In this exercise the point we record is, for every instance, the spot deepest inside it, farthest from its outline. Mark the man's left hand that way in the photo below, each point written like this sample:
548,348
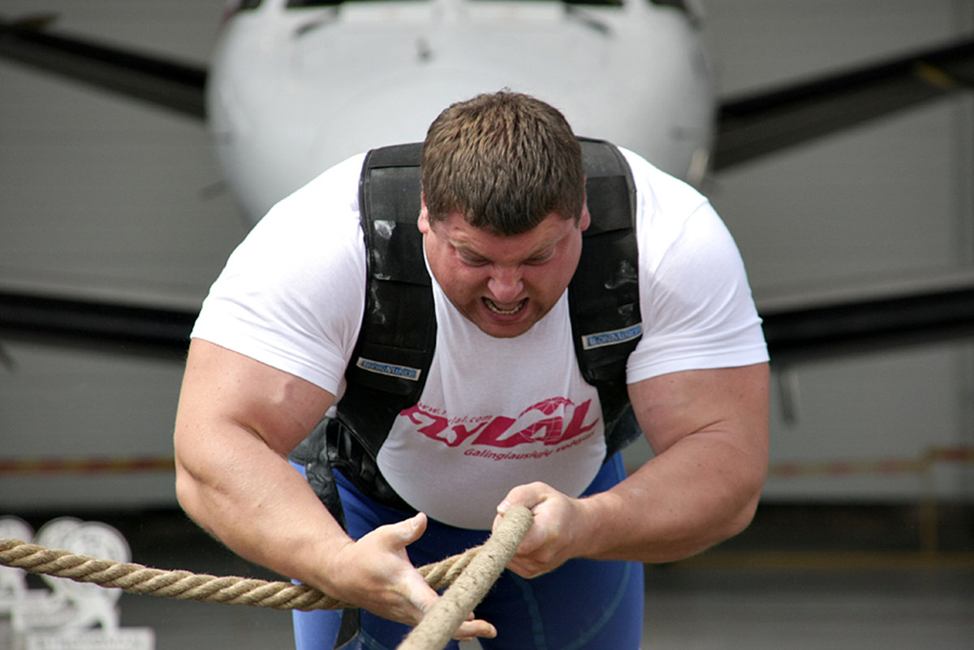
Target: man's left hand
555,534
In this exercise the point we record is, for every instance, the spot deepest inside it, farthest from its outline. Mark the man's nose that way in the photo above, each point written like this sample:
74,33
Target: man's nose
505,284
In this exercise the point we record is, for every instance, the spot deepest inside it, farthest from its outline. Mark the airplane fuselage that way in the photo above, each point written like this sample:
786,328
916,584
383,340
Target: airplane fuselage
294,90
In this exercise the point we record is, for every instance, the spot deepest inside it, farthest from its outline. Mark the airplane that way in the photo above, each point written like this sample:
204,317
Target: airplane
335,78
295,86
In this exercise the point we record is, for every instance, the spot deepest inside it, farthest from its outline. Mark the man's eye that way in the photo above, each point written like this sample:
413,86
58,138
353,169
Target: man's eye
472,260
540,259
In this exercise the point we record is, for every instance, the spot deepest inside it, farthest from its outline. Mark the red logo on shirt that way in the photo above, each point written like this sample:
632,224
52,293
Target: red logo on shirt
552,421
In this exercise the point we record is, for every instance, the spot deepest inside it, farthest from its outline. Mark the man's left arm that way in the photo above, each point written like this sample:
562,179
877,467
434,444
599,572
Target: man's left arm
709,432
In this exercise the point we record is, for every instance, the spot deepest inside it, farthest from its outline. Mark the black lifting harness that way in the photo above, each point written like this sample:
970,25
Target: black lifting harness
395,346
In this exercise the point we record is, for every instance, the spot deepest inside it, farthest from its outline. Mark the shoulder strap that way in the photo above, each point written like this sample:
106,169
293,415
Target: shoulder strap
395,345
604,292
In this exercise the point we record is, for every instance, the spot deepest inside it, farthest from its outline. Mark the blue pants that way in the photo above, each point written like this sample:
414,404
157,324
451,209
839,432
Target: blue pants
582,605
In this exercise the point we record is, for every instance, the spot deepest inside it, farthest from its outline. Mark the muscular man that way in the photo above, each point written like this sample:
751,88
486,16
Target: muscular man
505,416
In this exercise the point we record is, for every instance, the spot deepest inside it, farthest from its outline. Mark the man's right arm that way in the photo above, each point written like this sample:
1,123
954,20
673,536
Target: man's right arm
237,421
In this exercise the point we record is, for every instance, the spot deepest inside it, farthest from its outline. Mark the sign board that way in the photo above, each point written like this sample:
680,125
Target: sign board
71,615
129,638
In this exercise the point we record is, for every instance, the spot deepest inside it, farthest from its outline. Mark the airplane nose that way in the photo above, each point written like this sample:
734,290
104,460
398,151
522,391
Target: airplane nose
396,110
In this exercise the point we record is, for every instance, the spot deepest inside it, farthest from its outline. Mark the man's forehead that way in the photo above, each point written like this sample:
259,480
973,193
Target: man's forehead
553,227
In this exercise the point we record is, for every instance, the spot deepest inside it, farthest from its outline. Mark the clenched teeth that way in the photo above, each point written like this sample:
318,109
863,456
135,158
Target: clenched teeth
504,312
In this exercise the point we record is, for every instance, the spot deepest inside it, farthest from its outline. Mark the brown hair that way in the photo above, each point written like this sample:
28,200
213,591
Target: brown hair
505,161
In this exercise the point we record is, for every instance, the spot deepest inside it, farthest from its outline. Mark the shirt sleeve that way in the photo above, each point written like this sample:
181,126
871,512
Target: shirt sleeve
292,294
696,304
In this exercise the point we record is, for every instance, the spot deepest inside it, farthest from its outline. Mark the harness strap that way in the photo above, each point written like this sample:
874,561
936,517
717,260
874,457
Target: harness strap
395,345
603,296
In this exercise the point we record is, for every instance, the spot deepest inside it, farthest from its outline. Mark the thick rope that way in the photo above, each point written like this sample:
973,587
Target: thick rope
443,619
185,585
180,585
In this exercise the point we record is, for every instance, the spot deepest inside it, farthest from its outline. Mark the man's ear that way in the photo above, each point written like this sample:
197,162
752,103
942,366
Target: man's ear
423,223
585,220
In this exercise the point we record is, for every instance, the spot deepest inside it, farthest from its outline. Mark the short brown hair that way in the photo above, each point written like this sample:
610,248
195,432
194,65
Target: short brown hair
505,161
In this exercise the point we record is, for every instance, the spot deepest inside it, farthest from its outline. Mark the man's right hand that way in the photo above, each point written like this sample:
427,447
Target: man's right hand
375,573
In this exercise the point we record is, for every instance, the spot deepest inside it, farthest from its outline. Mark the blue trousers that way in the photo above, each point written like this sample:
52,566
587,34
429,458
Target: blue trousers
582,605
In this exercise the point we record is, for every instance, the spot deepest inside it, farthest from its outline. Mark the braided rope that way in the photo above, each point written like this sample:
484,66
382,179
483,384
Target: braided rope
186,585
471,575
180,585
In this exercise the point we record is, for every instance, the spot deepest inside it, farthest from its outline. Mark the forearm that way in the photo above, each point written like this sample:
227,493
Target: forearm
251,499
702,491
710,431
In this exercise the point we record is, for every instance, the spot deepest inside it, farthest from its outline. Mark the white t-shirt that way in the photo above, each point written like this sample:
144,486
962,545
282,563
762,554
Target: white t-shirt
494,413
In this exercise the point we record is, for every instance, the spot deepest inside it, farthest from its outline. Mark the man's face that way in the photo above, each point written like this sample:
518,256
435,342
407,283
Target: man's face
503,284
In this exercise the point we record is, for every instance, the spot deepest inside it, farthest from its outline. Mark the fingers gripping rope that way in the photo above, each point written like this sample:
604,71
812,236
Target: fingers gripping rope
470,587
473,571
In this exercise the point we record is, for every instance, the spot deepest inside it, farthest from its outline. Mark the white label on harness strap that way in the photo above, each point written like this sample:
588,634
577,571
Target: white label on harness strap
389,369
601,339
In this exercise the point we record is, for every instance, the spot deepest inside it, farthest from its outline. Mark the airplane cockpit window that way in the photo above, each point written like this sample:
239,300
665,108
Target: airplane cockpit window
297,4
679,4
683,5
248,4
602,3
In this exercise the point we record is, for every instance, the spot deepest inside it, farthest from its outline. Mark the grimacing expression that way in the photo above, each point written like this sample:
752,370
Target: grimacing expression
503,284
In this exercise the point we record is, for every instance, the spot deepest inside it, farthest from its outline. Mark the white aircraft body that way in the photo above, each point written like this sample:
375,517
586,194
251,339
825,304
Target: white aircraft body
293,90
